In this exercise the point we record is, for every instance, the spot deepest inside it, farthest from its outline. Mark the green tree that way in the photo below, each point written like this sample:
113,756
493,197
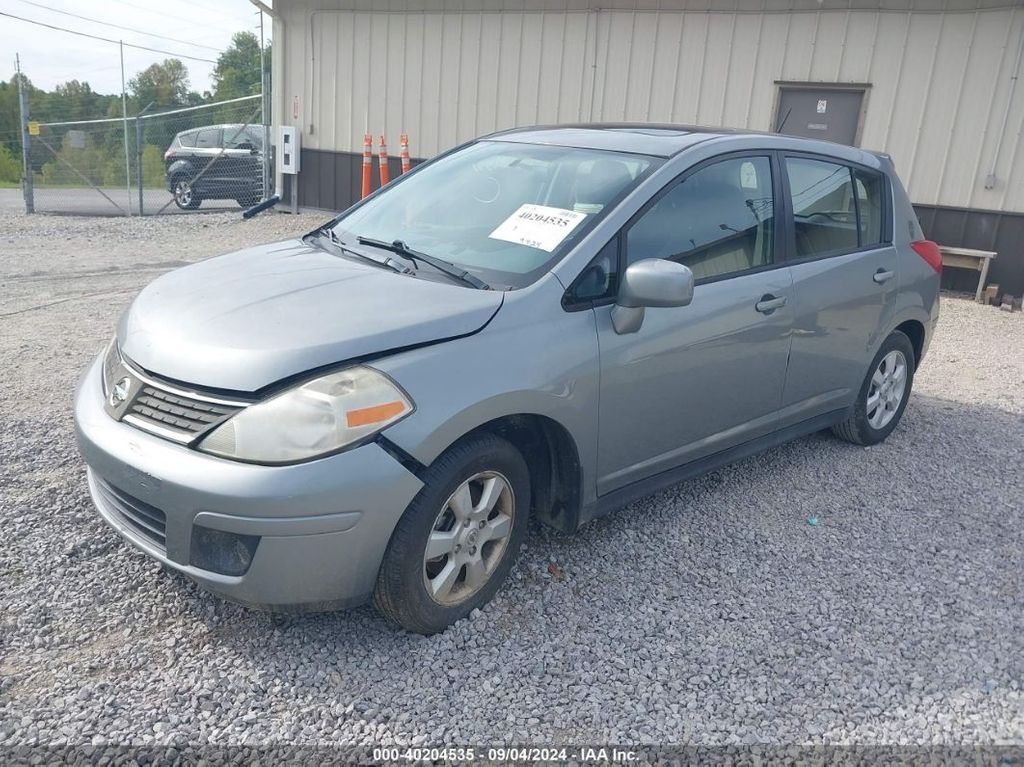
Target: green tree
10,166
237,72
75,100
10,115
100,161
152,166
165,85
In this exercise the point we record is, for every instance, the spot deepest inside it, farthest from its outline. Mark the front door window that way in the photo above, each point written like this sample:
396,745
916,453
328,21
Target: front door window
718,221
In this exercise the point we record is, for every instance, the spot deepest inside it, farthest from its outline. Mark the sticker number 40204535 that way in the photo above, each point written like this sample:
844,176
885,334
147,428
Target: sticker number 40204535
538,226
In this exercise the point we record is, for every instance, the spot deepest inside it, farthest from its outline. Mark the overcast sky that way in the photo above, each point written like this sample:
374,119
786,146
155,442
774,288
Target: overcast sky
49,57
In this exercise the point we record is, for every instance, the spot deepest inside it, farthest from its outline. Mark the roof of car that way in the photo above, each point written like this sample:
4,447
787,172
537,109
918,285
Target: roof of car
658,140
218,125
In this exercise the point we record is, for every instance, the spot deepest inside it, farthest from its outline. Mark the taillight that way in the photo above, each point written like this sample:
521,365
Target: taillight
169,154
929,251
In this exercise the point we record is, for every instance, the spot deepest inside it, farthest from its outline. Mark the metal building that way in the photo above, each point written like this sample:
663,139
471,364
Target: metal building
932,82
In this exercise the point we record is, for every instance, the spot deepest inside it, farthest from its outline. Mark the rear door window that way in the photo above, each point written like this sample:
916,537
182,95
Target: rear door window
824,209
208,139
255,135
236,137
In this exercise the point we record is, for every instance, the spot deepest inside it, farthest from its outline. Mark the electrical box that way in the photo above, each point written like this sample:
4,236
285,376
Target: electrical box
288,151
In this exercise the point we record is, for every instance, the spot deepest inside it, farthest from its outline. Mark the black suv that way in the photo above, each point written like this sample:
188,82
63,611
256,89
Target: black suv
216,162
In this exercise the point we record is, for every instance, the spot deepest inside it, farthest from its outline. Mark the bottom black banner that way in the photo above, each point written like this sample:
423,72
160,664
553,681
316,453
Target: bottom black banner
324,754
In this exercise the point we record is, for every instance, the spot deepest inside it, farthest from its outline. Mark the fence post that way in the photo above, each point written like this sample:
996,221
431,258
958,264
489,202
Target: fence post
124,130
268,182
26,143
264,112
138,161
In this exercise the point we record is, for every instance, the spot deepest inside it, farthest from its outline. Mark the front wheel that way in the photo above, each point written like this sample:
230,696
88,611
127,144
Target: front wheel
458,539
185,196
883,395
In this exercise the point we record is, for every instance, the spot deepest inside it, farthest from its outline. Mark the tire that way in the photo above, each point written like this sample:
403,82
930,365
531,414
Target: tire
184,196
867,425
411,588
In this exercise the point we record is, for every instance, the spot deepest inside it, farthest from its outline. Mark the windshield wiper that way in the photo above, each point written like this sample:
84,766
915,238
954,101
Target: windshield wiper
387,263
399,247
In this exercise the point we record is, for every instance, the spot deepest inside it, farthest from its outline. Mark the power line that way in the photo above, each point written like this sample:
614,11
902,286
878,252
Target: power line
207,9
150,10
175,17
106,39
118,26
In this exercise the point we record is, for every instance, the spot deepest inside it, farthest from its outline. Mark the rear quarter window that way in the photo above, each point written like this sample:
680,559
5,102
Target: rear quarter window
870,193
186,139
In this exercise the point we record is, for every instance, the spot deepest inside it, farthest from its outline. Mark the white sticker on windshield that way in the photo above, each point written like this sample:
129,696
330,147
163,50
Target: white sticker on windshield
538,226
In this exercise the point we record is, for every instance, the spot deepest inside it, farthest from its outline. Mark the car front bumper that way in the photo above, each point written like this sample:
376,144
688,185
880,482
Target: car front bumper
321,527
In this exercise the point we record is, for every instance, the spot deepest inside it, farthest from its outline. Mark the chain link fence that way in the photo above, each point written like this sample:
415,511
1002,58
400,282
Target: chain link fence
208,157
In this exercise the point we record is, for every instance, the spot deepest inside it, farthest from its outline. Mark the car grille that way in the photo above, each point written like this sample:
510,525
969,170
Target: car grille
162,408
144,519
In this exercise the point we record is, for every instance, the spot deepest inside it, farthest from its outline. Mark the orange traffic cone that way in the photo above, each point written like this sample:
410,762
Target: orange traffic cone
406,163
367,164
384,176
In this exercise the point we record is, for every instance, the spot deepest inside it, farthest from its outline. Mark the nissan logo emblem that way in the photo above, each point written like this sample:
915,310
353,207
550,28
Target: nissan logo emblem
120,391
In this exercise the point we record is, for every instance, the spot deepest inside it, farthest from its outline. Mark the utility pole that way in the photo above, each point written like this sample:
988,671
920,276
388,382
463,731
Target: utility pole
124,114
26,142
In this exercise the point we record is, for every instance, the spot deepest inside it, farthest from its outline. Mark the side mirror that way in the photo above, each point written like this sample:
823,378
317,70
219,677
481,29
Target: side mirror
652,282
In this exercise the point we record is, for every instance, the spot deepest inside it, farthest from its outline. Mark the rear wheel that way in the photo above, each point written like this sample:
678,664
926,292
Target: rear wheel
185,197
883,395
456,542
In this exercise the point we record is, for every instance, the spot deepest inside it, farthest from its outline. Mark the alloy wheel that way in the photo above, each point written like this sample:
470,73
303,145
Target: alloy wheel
468,538
183,193
888,385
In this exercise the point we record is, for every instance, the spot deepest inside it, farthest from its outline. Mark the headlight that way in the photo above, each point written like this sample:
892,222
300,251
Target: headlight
320,416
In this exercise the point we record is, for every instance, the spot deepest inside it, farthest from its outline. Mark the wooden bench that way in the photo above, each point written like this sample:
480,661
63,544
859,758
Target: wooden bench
968,258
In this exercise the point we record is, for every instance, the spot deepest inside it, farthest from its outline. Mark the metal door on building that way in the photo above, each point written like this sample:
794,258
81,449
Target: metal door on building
823,112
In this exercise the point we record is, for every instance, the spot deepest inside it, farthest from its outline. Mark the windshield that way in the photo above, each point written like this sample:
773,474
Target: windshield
500,210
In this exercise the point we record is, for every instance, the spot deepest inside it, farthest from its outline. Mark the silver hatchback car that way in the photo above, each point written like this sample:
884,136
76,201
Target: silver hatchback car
545,322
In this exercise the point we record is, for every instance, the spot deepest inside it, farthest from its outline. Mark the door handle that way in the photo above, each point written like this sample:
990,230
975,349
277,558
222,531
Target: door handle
883,275
770,303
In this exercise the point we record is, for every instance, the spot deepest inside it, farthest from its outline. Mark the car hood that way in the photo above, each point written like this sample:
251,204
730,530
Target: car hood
245,320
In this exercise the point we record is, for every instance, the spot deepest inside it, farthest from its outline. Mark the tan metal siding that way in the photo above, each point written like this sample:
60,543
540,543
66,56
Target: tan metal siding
978,112
939,79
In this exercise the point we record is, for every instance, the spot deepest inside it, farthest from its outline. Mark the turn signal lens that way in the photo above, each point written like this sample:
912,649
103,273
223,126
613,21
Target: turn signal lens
313,419
929,251
375,414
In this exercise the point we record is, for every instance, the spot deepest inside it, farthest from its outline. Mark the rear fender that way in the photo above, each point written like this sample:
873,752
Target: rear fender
179,168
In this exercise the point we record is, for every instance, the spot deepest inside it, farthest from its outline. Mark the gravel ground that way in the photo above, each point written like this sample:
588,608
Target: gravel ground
711,613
